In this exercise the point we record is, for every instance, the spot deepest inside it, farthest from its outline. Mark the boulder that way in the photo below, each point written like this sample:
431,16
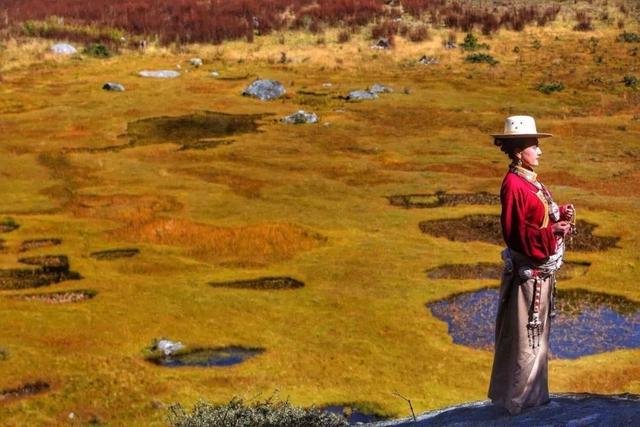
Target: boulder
566,409
196,62
159,74
301,117
111,86
361,95
428,60
167,347
265,90
63,49
378,88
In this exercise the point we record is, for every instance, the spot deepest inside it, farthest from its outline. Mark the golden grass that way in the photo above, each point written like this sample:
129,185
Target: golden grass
307,202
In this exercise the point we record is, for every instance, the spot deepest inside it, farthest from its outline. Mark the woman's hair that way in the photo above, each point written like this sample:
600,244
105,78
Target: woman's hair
512,146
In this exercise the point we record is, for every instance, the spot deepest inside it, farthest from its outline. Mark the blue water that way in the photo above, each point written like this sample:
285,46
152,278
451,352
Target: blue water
226,356
587,328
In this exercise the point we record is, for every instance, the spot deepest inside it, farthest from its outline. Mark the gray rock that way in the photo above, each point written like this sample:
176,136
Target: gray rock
428,60
63,49
196,62
159,74
301,117
361,95
378,88
115,87
265,89
450,45
382,43
564,409
167,347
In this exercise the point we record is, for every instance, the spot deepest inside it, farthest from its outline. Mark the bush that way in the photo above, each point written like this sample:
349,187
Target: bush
419,33
630,81
628,37
97,50
260,414
550,87
478,58
584,22
344,36
471,44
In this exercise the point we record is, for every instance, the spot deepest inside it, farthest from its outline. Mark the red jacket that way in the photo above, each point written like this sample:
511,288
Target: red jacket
523,217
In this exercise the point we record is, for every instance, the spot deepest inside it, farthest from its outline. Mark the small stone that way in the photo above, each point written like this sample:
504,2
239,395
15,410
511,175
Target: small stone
215,74
114,87
265,90
382,43
378,88
63,49
428,60
327,84
196,62
361,95
301,117
167,347
71,415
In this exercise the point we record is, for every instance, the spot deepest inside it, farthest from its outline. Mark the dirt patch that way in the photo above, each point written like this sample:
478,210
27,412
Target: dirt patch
53,269
586,322
251,245
207,357
62,297
115,253
488,270
261,283
441,198
28,245
8,225
28,389
486,228
195,131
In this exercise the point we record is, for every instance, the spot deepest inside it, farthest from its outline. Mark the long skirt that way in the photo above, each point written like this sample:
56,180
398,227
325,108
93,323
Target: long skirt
519,374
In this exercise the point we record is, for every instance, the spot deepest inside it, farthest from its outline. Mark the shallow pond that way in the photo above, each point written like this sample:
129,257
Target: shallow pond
587,322
208,357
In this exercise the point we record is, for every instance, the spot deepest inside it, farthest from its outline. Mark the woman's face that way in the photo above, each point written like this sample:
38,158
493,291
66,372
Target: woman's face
530,156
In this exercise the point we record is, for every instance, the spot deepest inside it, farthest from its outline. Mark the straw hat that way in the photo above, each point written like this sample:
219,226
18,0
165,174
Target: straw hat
516,127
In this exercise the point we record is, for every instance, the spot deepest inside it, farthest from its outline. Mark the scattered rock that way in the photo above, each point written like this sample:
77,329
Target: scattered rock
196,62
27,389
207,357
382,43
115,253
263,283
159,74
265,89
378,88
326,85
565,409
441,198
361,95
63,297
113,87
301,117
63,49
428,60
38,243
167,347
8,225
450,45
215,74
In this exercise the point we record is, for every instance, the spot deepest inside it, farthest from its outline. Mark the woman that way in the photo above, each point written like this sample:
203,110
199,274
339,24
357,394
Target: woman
534,228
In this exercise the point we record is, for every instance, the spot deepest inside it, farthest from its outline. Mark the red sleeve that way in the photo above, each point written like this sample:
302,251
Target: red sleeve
522,215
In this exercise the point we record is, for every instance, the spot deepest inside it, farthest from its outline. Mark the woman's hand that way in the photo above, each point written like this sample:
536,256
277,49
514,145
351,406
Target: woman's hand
569,212
561,228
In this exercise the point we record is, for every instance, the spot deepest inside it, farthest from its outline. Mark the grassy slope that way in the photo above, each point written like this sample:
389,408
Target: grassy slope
359,329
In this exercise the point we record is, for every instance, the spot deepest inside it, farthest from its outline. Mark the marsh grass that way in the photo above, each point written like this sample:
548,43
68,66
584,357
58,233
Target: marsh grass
308,202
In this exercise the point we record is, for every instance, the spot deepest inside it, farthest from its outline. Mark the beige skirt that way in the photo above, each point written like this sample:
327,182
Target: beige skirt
519,374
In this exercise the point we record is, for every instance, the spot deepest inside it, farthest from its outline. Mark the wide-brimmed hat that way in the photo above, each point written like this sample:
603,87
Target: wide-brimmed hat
516,127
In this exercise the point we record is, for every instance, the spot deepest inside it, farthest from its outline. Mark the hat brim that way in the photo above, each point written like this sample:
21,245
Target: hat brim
521,135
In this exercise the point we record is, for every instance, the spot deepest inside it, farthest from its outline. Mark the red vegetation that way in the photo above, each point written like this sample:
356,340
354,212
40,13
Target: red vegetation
213,21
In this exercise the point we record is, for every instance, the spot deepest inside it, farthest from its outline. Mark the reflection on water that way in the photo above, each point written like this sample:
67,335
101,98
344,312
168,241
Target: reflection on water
207,357
587,322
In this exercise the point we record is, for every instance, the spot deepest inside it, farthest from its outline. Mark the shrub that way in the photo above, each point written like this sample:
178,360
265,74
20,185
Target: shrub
550,87
477,58
471,44
630,81
344,36
419,33
385,29
97,50
260,414
584,22
628,37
